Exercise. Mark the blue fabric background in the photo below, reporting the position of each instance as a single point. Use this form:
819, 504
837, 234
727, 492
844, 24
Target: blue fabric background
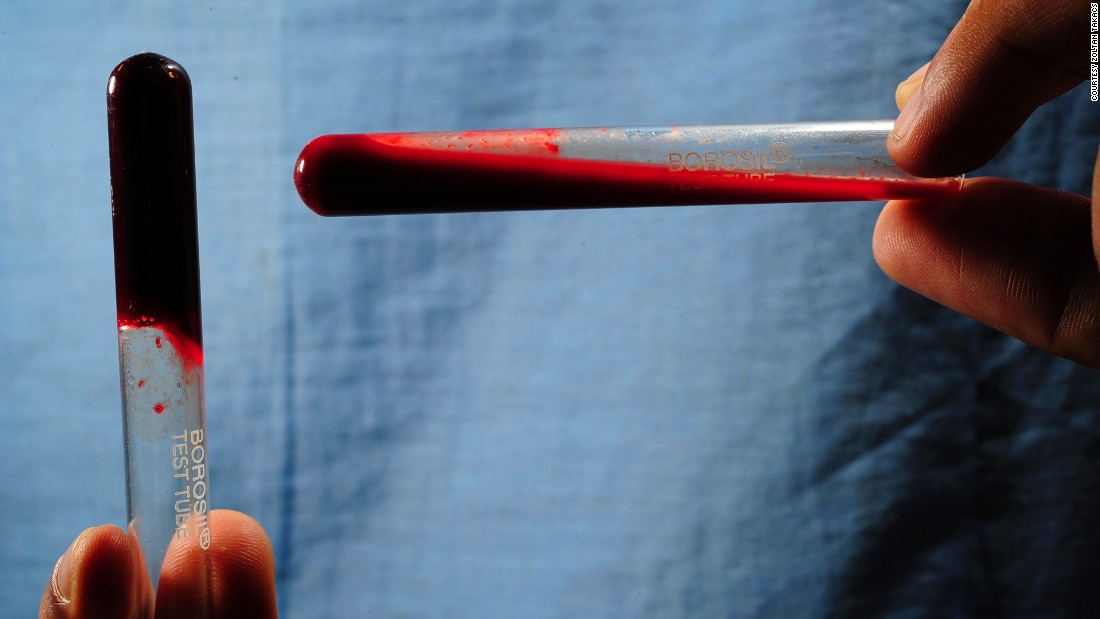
706, 412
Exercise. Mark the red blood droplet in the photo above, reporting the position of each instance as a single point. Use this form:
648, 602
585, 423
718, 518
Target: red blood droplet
141, 383
159, 408
159, 344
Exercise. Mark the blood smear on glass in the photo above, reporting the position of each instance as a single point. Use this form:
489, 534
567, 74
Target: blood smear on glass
188, 350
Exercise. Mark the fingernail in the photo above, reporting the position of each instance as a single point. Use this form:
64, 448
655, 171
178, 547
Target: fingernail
62, 573
908, 97
908, 113
906, 89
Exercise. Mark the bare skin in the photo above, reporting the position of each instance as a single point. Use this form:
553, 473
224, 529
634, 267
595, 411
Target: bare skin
98, 576
1019, 258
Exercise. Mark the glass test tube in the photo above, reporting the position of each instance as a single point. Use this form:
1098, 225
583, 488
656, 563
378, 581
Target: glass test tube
527, 169
159, 326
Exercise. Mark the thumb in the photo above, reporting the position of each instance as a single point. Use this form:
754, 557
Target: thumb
1001, 61
241, 567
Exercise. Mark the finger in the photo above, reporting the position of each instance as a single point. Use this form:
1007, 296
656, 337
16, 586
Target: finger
241, 565
94, 578
1016, 257
1002, 60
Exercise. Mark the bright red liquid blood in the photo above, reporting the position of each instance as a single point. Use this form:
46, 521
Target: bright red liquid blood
402, 173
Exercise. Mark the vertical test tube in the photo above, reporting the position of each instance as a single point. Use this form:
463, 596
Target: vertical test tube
159, 325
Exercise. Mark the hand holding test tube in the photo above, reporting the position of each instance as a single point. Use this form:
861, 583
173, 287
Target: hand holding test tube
911, 241
1014, 256
177, 558
159, 319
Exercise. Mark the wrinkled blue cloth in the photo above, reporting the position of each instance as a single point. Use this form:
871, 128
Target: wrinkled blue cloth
697, 412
